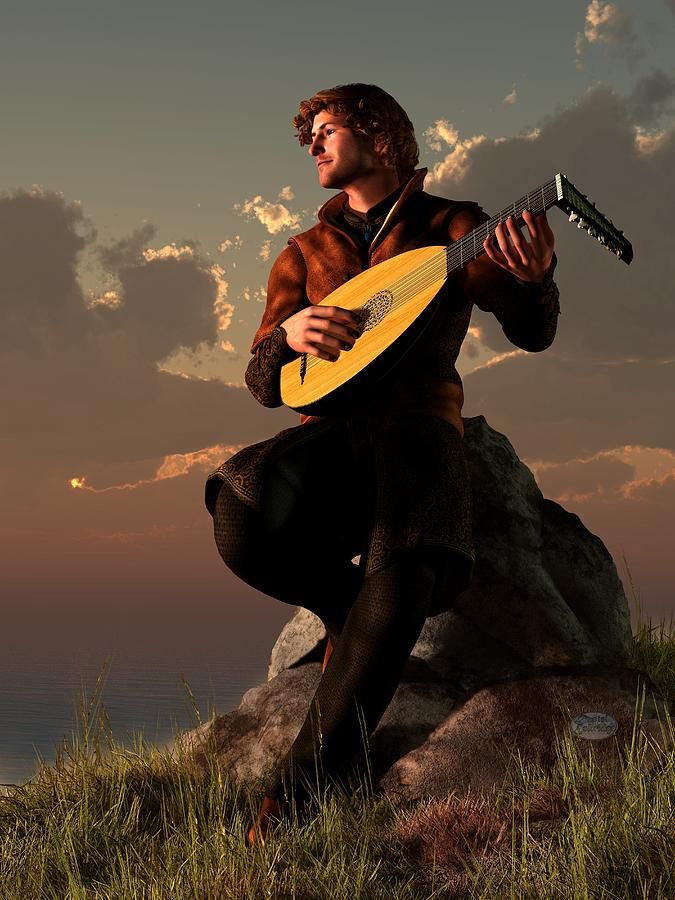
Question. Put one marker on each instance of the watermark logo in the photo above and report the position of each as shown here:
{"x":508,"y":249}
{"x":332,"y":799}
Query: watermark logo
{"x":594,"y":726}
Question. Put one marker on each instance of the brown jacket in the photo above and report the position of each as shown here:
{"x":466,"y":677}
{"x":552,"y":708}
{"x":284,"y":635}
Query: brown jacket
{"x":319,"y":260}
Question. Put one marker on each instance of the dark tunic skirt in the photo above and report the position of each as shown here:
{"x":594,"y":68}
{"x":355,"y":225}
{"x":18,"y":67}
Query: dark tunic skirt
{"x":390,"y":485}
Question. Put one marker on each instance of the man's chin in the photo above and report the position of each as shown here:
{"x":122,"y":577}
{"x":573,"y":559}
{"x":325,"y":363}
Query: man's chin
{"x":331,"y":178}
{"x":331,"y":181}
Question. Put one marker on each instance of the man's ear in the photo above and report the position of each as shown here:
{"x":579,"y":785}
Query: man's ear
{"x":379,"y":145}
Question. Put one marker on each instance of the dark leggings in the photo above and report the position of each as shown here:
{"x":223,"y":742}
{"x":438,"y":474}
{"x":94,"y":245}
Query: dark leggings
{"x":298,"y":549}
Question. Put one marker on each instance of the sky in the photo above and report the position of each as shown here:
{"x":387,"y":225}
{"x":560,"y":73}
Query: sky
{"x":150,"y":176}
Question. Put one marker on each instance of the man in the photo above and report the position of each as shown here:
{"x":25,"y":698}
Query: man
{"x":387,"y":480}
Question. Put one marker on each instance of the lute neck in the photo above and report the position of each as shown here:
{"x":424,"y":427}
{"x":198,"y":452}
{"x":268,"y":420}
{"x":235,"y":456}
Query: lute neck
{"x":471,"y":245}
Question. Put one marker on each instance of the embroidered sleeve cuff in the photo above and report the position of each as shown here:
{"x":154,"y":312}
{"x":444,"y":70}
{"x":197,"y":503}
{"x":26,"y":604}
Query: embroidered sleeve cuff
{"x":264,"y":369}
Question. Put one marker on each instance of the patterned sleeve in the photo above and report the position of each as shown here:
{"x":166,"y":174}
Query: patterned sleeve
{"x":527,"y":311}
{"x":529,"y":315}
{"x":264,"y":370}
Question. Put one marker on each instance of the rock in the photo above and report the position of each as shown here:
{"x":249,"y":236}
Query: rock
{"x":545,"y":594}
{"x":469,"y":749}
{"x":544,"y":623}
{"x":430,"y":742}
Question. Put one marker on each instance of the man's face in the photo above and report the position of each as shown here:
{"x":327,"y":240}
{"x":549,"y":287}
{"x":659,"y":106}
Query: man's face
{"x":342,"y":155}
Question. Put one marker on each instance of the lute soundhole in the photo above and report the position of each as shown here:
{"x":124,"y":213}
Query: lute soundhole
{"x":375,"y":309}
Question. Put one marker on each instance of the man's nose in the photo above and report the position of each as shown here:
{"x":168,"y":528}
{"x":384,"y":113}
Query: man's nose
{"x":316,"y":146}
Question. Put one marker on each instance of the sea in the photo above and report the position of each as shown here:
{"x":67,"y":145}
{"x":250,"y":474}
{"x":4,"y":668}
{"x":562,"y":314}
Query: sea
{"x":146,"y":676}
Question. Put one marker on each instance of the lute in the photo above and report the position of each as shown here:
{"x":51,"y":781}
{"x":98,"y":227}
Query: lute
{"x":395,"y":301}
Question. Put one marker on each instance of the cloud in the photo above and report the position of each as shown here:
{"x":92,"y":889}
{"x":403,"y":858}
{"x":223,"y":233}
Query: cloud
{"x":652,"y":97}
{"x":265,"y":251}
{"x":605,"y":23}
{"x":169,"y":297}
{"x":611,"y":313}
{"x":275,"y":217}
{"x":128,"y":251}
{"x":172,"y":466}
{"x":456,"y":163}
{"x":258,"y":295}
{"x":558,"y":409}
{"x":41,"y":239}
{"x":441,"y":132}
{"x":647,"y":142}
{"x":499,"y":358}
{"x":624,"y":470}
{"x":582,"y":477}
{"x":82,"y":386}
{"x":511,"y":98}
{"x":235,"y":243}
{"x":609,"y":26}
{"x":108,"y":298}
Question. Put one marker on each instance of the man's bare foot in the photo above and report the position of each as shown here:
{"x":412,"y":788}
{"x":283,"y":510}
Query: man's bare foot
{"x":270,"y":811}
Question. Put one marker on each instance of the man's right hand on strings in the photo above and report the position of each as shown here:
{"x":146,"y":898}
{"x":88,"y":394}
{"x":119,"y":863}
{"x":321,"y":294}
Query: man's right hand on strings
{"x":322,"y":331}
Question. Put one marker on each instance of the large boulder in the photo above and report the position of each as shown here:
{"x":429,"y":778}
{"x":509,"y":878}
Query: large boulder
{"x":545,"y":594}
{"x":430,"y":742}
{"x":542,"y":635}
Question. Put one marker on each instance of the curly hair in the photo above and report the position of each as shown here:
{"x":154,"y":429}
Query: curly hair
{"x":372,"y":111}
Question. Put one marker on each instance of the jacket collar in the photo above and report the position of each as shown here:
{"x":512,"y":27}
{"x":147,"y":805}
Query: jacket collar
{"x":330,"y":212}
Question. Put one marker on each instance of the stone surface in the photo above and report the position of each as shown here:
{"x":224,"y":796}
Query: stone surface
{"x":469,"y":749}
{"x":545,"y":623}
{"x":430,"y":741}
{"x":545,"y":594}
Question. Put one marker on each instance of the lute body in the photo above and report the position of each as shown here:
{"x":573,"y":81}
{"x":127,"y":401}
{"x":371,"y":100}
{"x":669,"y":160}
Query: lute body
{"x":395,"y":301}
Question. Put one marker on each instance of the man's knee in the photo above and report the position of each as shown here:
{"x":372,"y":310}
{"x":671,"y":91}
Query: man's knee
{"x":233,"y":529}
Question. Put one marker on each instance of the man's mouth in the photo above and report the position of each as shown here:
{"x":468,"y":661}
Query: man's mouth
{"x":323,"y":162}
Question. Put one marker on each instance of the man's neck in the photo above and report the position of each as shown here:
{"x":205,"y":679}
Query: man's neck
{"x":365,"y":193}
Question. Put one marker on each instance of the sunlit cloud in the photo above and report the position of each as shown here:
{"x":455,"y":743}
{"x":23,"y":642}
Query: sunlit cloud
{"x":609,"y":25}
{"x":174,"y":465}
{"x":235,"y":243}
{"x":511,"y":98}
{"x":222,"y":310}
{"x":622,"y":471}
{"x":275,"y":217}
{"x":265,"y":250}
{"x":647,"y":142}
{"x":258,"y":295}
{"x":441,"y":132}
{"x":456,"y":163}
{"x":111,"y":299}
{"x":169,"y":251}
{"x":603,"y":22}
{"x":286,"y":193}
{"x":500,"y":358}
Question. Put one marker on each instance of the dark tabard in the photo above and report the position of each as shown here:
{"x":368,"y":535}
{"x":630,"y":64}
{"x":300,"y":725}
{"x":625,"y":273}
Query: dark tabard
{"x":369,"y":489}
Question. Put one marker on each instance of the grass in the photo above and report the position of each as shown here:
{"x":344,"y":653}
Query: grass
{"x":111,"y":822}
